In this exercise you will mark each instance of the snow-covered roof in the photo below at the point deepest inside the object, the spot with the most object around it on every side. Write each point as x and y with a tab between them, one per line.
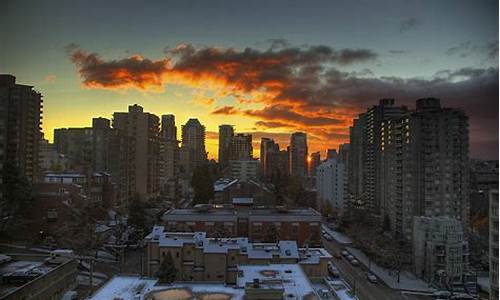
288	277
223	183
125	287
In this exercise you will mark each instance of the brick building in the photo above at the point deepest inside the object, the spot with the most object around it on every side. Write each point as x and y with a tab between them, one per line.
199	258
302	225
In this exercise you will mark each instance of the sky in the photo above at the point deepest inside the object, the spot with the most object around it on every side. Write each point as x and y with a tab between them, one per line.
267	67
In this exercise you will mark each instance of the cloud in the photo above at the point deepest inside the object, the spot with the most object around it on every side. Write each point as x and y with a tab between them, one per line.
408	24
299	89
225	110
487	50
398	52
50	78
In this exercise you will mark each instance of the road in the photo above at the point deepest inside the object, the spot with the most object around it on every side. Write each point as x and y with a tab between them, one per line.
356	277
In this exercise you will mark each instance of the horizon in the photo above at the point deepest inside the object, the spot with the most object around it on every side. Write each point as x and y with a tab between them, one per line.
293	73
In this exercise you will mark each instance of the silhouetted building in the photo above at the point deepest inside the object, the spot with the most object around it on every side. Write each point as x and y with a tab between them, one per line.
268	151
241	147
493	244
193	153
298	154
244	169
313	162
20	121
226	133
169	157
140	134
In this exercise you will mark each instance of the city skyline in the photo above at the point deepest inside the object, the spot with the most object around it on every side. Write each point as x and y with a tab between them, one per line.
292	74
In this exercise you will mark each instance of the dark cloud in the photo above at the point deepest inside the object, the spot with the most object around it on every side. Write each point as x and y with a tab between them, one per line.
408	24
300	88
277	43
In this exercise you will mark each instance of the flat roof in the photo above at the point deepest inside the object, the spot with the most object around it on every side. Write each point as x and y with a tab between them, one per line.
288	277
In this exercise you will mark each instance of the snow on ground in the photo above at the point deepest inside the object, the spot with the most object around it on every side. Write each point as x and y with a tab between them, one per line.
337	236
407	281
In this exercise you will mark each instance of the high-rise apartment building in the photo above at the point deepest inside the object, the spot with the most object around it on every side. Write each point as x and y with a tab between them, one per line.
241	147
226	133
298	154
169	148
193	152
493	245
331	185
268	149
313	162
140	132
424	167
355	173
76	144
20	121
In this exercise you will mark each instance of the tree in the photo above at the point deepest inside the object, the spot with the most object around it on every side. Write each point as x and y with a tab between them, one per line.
167	271
272	234
137	215
17	198
202	184
326	209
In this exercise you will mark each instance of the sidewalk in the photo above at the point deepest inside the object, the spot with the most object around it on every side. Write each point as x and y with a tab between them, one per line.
407	281
337	236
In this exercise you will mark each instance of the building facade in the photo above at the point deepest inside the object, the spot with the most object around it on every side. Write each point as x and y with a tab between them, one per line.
493	251
298	155
259	224
20	122
440	251
192	152
226	133
244	169
140	132
199	258
331	186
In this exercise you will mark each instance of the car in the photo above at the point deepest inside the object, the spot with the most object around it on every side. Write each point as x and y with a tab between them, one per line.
354	262
344	253
333	270
328	237
371	278
349	257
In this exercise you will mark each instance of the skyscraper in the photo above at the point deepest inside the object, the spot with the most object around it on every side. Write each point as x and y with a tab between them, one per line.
241	147
298	155
313	162
365	135
424	166
169	148
140	131
272	160
226	133
193	152
101	135
20	115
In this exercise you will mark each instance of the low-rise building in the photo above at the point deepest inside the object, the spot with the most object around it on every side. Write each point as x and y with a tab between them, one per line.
36	279
302	225
244	169
199	258
440	251
225	190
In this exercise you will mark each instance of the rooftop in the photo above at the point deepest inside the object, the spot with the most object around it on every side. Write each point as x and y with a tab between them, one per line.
290	278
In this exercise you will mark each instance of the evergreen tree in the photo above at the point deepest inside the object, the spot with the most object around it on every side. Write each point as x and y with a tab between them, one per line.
167	271
202	184
17	198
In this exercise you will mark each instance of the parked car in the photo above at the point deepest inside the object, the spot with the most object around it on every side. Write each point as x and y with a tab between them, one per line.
349	257
354	262
344	253
371	278
333	270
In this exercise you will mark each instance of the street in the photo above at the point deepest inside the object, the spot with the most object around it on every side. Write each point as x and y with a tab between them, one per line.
356	277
